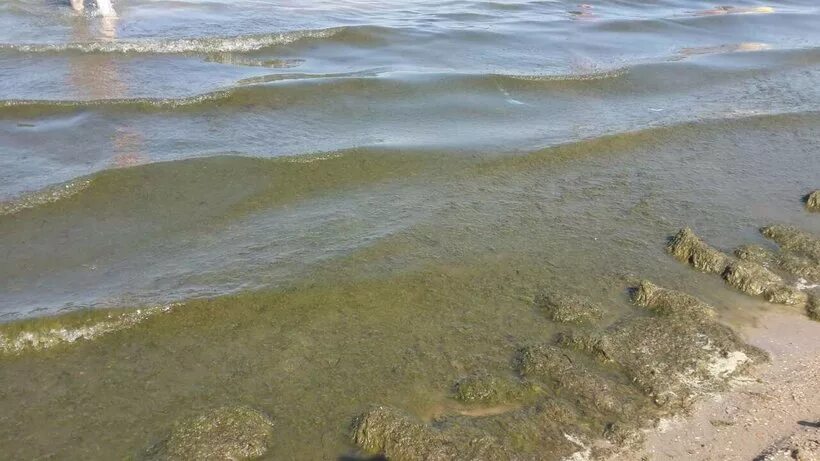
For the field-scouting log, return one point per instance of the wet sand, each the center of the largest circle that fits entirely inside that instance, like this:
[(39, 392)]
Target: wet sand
[(767, 416)]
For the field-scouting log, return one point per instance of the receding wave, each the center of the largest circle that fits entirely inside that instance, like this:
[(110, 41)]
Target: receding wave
[(203, 45)]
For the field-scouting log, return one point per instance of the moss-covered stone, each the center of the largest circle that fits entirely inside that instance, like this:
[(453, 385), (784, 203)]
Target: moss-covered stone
[(229, 433), (668, 302), (794, 240), (755, 253), (482, 388), (813, 201), (565, 308), (398, 436), (689, 248)]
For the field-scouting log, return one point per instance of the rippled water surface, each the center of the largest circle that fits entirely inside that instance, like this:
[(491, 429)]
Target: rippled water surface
[(362, 198)]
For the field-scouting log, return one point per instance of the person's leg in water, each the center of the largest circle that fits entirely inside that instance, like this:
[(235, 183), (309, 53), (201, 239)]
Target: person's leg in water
[(105, 7), (77, 5)]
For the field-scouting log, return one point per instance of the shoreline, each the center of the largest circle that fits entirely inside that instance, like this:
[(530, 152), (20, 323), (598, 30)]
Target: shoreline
[(770, 415)]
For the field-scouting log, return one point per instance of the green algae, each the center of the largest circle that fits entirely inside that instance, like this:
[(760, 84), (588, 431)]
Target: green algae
[(398, 323), (489, 389), (400, 437), (676, 354), (572, 380), (564, 308), (681, 353), (234, 433)]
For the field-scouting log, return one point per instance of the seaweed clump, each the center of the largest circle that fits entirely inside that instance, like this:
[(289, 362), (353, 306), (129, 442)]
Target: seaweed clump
[(554, 365), (399, 436), (568, 308), (235, 433), (652, 363), (813, 201), (482, 388), (677, 353), (689, 248)]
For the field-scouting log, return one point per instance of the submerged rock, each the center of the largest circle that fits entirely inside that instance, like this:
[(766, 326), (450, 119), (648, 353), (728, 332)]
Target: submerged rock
[(554, 365), (689, 248), (229, 433), (492, 389), (813, 201), (800, 266), (667, 302), (755, 253), (568, 308), (398, 436), (794, 240)]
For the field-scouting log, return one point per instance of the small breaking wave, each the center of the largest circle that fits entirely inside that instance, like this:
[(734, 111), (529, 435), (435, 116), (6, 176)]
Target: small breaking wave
[(39, 337), (45, 196), (202, 45)]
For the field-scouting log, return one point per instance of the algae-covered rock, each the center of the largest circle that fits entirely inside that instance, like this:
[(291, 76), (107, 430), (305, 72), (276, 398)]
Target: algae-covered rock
[(668, 302), (568, 308), (554, 365), (228, 433), (787, 295), (400, 437), (755, 253), (751, 278), (689, 248), (794, 240), (675, 354), (756, 280), (480, 388), (591, 344), (813, 201)]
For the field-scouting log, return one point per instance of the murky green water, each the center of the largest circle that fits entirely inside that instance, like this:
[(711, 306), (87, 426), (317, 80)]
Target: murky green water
[(364, 213)]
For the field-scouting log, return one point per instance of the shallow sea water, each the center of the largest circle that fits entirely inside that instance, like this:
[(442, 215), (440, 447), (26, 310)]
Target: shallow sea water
[(357, 202)]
